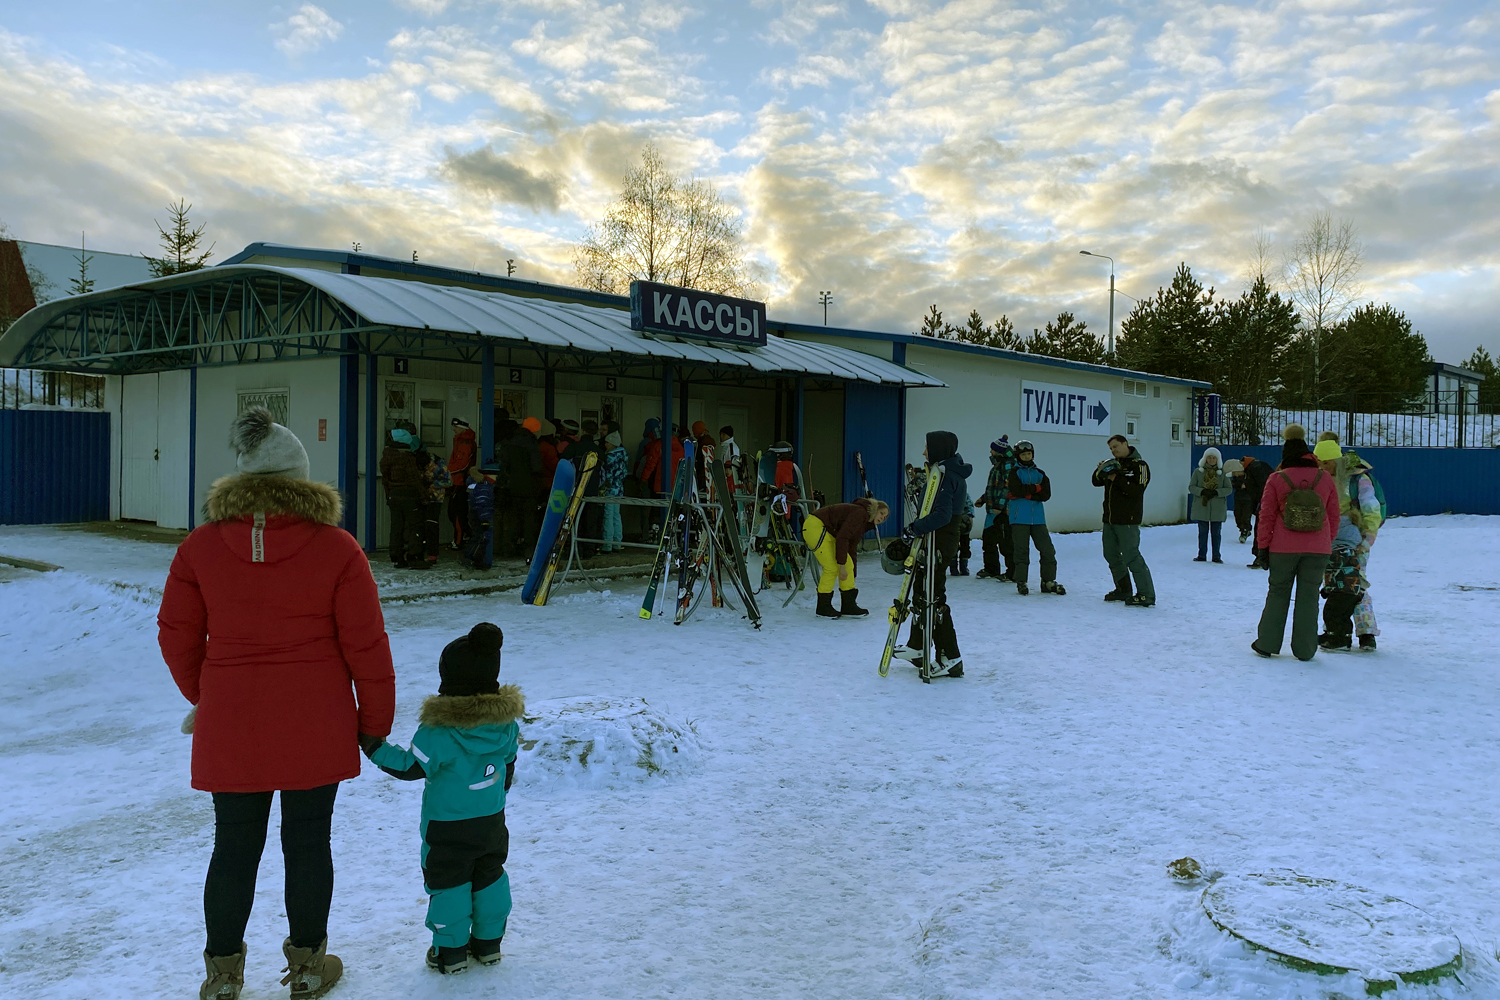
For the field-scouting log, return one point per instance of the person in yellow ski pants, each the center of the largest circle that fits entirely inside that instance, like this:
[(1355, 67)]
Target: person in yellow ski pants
[(832, 534)]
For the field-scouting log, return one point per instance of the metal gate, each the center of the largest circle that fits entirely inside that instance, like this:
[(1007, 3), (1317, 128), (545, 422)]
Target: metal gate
[(54, 466)]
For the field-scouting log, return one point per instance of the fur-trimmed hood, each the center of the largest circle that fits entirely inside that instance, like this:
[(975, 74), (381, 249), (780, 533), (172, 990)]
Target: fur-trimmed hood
[(473, 710), (233, 497)]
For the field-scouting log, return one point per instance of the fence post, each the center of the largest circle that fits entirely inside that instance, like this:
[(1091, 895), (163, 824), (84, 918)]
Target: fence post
[(1462, 391), (1349, 435)]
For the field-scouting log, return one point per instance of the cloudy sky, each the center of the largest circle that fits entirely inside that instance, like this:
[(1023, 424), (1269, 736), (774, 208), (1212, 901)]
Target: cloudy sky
[(897, 152)]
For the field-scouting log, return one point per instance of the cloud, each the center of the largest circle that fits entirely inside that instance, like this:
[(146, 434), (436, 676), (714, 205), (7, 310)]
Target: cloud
[(305, 31), (485, 171)]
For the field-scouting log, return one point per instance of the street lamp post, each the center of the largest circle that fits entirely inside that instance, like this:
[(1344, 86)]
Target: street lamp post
[(824, 298), (1109, 344)]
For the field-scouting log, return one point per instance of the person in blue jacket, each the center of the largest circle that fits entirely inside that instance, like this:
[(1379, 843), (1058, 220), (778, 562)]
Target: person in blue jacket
[(1029, 489), (942, 523), (465, 749)]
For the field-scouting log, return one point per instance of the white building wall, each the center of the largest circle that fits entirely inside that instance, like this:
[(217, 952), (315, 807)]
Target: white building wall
[(173, 416), (983, 401)]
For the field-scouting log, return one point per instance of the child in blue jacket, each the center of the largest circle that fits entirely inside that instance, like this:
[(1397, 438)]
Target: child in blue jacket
[(1029, 490), (465, 748)]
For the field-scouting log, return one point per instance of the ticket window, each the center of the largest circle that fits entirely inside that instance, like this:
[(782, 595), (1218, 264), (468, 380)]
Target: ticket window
[(433, 428)]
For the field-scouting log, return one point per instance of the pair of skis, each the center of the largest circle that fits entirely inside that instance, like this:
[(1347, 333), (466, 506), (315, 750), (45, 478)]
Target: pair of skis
[(564, 539), (921, 548), (675, 509)]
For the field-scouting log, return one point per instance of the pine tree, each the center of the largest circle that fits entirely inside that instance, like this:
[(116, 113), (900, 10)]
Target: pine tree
[(82, 284), (1173, 333), (1250, 341), (1481, 363), (181, 243), (1371, 361), (1068, 338), (932, 323)]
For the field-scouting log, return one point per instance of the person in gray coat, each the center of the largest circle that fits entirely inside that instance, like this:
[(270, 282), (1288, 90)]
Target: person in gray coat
[(1209, 490)]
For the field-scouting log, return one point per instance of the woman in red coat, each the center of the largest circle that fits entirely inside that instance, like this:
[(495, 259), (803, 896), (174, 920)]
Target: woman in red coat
[(272, 628), (1295, 556)]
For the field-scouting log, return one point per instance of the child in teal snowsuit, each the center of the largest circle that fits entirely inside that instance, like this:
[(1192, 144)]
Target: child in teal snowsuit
[(465, 748)]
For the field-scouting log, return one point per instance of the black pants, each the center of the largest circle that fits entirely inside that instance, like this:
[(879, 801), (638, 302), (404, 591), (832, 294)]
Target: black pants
[(406, 531), (1244, 512), (1338, 613), (458, 513), (944, 635), (1023, 535), (517, 528), (996, 545), (432, 515), (240, 820), (590, 525)]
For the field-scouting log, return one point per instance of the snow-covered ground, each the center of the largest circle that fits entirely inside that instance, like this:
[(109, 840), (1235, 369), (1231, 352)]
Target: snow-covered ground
[(819, 831)]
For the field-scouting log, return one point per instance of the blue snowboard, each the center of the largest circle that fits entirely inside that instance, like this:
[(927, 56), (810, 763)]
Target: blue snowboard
[(557, 509)]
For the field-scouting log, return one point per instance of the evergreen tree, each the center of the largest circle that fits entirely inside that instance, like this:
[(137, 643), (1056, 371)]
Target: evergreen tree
[(182, 244), (1371, 361), (1173, 333), (82, 284), (1067, 338), (1003, 334), (1481, 363), (932, 323), (1251, 338)]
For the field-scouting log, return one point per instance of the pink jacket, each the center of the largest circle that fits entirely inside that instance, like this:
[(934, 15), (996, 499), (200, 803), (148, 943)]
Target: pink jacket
[(1272, 534)]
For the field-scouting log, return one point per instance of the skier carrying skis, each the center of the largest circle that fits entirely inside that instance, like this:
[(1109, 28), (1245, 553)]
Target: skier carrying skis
[(942, 523), (465, 749)]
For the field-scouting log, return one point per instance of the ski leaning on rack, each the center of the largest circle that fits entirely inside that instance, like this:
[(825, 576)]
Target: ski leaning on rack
[(686, 563), (729, 524), (901, 606), (864, 486), (664, 546), (565, 531)]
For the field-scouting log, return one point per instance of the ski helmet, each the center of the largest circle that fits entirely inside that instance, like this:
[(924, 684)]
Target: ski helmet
[(893, 556), (1024, 445)]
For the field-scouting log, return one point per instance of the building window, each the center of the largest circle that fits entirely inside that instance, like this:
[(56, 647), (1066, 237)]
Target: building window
[(1132, 421), (278, 401), (1134, 387), (1156, 391), (1177, 432)]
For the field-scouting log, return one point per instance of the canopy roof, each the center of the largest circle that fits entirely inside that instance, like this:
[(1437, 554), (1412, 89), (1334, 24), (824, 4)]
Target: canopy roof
[(241, 313)]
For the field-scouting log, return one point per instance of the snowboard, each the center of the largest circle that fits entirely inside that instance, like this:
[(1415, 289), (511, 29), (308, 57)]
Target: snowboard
[(901, 606), (557, 509), (565, 531), (664, 545)]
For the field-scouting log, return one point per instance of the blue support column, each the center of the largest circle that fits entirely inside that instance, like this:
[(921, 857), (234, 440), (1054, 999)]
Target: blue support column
[(801, 412), (372, 459), (667, 374), (192, 448), (487, 427), (349, 438), (901, 449)]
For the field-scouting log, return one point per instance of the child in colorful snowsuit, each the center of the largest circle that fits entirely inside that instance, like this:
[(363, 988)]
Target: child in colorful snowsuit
[(465, 748), (994, 541), (1029, 489), (612, 484), (479, 550)]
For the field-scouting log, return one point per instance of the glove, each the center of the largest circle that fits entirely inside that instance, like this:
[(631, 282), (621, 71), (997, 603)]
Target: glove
[(369, 744), (907, 534), (1207, 495)]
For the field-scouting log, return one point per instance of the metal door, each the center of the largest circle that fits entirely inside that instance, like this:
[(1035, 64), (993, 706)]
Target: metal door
[(140, 483)]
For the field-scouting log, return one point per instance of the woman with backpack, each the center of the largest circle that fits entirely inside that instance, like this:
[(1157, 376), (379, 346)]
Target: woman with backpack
[(1299, 515)]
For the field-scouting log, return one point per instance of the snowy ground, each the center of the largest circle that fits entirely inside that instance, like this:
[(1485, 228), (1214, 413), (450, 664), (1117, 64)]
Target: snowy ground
[(823, 832)]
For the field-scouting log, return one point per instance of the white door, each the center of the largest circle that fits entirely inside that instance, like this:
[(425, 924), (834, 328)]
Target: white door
[(140, 484)]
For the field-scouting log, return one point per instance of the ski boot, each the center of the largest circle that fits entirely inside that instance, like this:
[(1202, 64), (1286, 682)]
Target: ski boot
[(1244, 537), (908, 653), (1053, 587), (1140, 601), (485, 952), (1367, 642), (311, 972), (826, 608), (226, 976), (1122, 591), (1021, 588), (448, 961), (848, 606), (949, 668)]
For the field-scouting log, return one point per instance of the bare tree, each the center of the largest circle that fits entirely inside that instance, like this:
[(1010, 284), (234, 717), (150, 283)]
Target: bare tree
[(1260, 261), (1322, 275), (665, 227)]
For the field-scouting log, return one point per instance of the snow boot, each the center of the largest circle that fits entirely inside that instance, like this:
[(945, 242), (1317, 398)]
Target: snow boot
[(848, 607), (1244, 537), (1219, 560), (1022, 589), (1259, 651), (1122, 591), (311, 972), (963, 567), (225, 978), (1053, 587), (1200, 558), (448, 961), (1140, 602), (986, 574), (1367, 642), (1335, 640), (826, 608), (485, 952)]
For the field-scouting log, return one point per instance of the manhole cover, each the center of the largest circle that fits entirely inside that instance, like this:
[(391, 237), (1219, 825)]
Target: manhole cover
[(1320, 925)]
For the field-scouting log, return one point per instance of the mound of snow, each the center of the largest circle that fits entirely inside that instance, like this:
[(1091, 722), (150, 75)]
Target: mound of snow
[(597, 742)]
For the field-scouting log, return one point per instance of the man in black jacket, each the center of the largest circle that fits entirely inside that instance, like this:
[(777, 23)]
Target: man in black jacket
[(1125, 476), (591, 516), (942, 523), (515, 500), (1256, 474)]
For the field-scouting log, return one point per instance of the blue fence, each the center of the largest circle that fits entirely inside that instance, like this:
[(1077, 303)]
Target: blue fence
[(1416, 480), (54, 466)]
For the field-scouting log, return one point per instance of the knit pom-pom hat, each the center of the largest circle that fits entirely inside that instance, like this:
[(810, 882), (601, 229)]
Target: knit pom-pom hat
[(1295, 449), (263, 447), (1294, 432), (470, 664)]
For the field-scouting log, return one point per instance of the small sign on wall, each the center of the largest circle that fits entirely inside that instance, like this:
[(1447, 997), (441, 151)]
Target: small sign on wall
[(611, 383), (403, 366), (515, 376), (322, 429)]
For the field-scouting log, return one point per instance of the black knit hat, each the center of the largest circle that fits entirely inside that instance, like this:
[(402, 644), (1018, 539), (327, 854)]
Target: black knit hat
[(941, 445), (1295, 451), (470, 664)]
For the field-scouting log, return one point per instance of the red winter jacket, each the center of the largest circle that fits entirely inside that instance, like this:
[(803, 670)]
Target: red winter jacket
[(1273, 534), (274, 650)]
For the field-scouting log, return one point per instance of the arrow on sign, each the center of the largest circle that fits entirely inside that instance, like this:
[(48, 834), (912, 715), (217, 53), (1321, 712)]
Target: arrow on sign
[(1098, 412)]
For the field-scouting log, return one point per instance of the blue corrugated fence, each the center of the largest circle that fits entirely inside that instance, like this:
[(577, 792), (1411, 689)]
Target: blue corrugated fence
[(1416, 480), (54, 466)]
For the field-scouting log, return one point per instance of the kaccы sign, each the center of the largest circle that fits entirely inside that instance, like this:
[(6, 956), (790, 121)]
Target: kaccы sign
[(1064, 409), (685, 312)]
